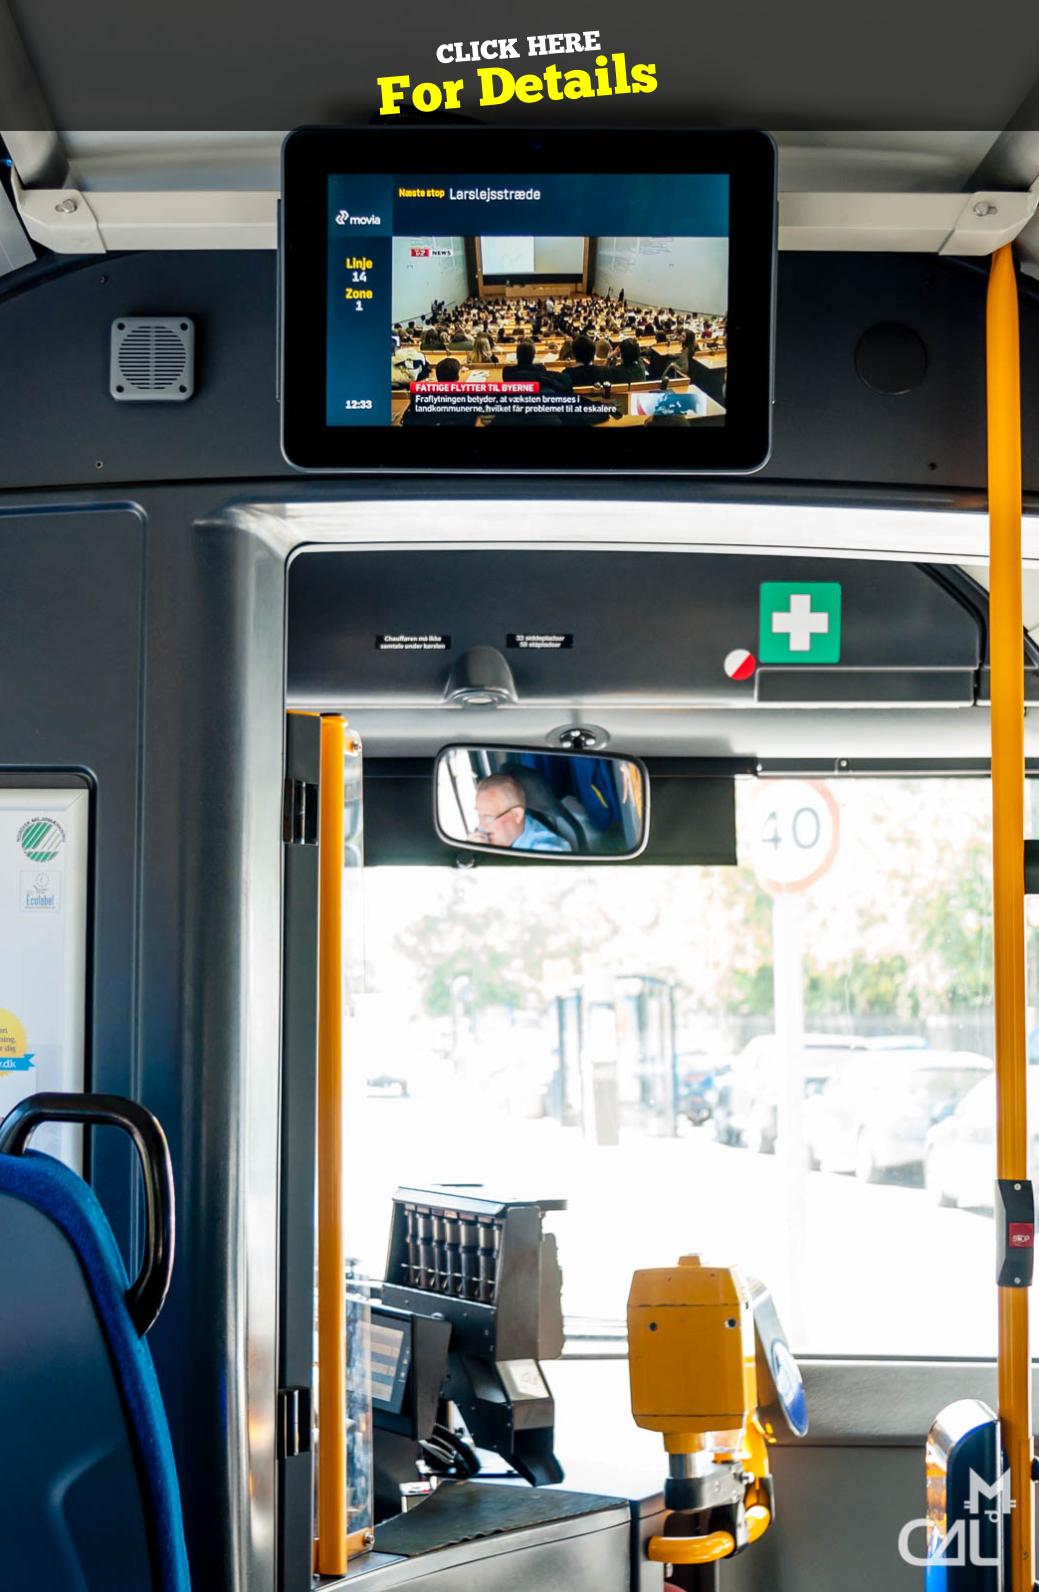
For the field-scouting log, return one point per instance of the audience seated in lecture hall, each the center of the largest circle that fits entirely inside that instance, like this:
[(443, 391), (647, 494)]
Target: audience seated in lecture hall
[(585, 341), (526, 369), (446, 370), (586, 372), (626, 365)]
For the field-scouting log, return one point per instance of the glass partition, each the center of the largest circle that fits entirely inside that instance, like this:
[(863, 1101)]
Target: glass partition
[(609, 1034)]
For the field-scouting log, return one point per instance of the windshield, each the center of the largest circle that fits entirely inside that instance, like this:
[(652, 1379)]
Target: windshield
[(583, 1033)]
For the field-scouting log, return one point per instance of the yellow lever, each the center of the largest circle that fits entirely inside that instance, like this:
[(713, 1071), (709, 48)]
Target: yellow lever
[(707, 1549)]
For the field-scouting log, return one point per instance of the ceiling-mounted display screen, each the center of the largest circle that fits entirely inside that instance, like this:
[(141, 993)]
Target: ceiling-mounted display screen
[(446, 291)]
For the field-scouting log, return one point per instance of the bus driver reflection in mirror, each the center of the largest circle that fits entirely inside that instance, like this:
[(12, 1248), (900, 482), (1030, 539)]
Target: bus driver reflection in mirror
[(504, 820)]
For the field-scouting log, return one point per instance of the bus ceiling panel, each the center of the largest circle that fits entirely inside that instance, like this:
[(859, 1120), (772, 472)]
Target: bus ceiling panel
[(856, 161), (801, 73), (175, 161), (697, 629)]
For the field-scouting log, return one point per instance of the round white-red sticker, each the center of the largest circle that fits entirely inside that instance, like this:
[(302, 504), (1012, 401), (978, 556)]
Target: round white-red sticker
[(739, 664)]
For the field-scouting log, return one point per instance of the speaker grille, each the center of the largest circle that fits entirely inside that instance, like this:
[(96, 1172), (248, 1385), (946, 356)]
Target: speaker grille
[(152, 359)]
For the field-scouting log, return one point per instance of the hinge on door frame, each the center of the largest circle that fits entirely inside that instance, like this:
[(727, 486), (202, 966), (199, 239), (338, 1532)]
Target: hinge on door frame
[(300, 813), (294, 1419)]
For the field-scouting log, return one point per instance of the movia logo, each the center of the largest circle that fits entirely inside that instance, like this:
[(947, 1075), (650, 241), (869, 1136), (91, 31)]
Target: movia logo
[(345, 219), (41, 839), (964, 1543)]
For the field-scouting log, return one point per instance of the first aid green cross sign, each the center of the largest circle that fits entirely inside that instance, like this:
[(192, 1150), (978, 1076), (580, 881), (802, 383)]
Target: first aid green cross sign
[(800, 622)]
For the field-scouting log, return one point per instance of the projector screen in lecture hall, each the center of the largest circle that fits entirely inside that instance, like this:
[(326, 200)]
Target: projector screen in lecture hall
[(530, 257)]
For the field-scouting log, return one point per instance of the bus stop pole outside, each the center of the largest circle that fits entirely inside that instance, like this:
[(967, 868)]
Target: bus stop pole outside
[(794, 832), (788, 1008), (1008, 778)]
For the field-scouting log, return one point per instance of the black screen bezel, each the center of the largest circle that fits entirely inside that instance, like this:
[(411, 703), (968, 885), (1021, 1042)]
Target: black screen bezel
[(740, 445)]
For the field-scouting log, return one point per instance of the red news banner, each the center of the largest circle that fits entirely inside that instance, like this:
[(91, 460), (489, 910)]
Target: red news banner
[(490, 398)]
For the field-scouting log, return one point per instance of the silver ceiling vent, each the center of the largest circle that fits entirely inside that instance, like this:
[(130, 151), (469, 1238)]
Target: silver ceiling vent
[(153, 359)]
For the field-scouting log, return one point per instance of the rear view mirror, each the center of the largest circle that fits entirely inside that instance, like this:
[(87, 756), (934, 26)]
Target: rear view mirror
[(577, 807)]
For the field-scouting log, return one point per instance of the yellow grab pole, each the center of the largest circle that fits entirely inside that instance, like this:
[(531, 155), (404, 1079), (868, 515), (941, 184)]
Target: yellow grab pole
[(331, 1245), (1006, 657)]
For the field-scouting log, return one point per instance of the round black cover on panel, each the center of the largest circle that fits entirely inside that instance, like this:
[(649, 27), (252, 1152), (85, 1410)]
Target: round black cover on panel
[(891, 358)]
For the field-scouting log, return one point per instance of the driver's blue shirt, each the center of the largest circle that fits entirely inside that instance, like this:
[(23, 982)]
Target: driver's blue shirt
[(535, 837)]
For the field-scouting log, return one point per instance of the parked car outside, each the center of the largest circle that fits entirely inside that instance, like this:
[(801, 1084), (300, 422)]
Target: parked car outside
[(960, 1151), (875, 1117), (747, 1109), (723, 1117)]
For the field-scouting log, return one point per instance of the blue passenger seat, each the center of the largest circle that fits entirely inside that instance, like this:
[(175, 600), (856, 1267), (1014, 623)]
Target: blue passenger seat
[(89, 1500)]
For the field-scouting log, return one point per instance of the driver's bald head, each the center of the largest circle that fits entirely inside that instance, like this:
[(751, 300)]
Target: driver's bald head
[(504, 786)]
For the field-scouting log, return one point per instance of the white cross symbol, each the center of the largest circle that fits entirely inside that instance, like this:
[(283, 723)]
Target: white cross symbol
[(800, 624)]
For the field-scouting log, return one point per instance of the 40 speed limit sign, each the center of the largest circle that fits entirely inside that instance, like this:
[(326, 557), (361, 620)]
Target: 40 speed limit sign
[(795, 832)]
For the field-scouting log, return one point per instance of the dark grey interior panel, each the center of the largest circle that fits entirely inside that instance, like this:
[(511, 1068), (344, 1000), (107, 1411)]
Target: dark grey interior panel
[(644, 627), (62, 427), (838, 1518), (148, 652), (211, 898), (65, 428), (70, 663)]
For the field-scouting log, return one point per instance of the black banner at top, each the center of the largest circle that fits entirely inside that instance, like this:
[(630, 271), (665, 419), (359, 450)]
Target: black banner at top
[(255, 64)]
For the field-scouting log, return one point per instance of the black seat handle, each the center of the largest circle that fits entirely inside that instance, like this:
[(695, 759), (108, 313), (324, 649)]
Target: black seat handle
[(145, 1298)]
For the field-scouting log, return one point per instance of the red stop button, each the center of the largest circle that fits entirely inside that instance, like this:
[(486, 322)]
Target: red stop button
[(1020, 1235)]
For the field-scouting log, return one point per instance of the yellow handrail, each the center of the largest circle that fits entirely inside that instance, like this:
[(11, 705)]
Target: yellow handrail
[(1006, 658), (711, 1547), (332, 1550)]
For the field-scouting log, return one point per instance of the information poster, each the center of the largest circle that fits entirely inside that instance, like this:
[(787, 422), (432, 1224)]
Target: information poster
[(43, 944)]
